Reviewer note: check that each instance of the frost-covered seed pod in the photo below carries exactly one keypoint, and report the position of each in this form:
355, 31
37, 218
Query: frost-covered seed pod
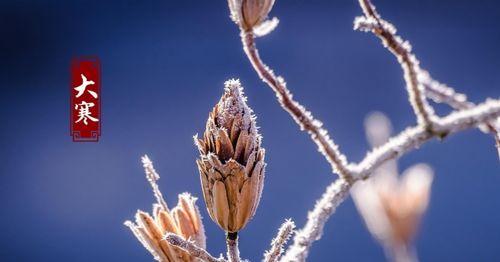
231, 162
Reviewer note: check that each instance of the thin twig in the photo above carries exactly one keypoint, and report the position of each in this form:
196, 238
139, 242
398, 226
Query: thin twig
414, 137
302, 117
284, 233
442, 93
191, 248
233, 252
417, 79
152, 177
402, 50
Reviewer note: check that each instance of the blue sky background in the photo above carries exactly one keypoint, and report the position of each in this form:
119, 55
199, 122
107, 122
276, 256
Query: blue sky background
163, 68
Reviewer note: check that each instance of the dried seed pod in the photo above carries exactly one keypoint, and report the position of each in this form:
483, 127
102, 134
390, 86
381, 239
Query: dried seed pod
231, 162
249, 14
183, 220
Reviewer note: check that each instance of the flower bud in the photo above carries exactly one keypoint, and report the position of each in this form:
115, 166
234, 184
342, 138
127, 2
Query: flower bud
249, 13
231, 162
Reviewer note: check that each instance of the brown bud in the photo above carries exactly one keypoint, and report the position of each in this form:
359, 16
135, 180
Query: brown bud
249, 13
231, 162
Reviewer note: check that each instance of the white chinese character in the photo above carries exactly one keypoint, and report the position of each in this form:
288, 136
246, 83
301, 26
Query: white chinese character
81, 88
84, 112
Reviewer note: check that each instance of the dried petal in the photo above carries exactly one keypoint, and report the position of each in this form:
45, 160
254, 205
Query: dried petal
220, 205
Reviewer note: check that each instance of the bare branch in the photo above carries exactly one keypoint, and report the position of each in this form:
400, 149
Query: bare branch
191, 248
302, 117
414, 137
406, 141
417, 79
442, 93
284, 233
373, 22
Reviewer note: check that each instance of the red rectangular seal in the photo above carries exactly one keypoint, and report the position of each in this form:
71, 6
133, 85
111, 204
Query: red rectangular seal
85, 99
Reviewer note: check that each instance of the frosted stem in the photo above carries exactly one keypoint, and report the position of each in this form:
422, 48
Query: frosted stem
414, 137
442, 93
302, 117
373, 22
152, 177
233, 252
191, 248
404, 142
285, 231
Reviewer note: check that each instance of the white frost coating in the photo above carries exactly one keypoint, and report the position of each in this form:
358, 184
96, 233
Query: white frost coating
266, 27
233, 104
191, 248
233, 252
365, 24
442, 93
335, 194
402, 49
152, 177
284, 233
302, 117
459, 120
413, 137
